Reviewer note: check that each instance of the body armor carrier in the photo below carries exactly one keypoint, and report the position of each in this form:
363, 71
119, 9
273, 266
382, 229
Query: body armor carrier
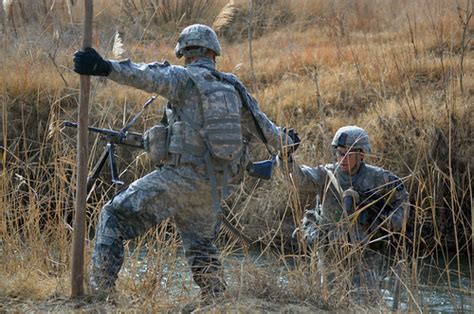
216, 140
220, 129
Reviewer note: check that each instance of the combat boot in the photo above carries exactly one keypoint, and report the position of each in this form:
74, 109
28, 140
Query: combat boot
101, 288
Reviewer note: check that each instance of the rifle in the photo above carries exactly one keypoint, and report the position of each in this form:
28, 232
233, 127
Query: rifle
115, 137
122, 137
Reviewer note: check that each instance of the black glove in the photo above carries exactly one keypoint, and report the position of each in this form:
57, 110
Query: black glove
290, 149
89, 62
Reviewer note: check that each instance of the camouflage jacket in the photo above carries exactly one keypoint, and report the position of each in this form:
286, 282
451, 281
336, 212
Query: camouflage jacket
174, 83
373, 184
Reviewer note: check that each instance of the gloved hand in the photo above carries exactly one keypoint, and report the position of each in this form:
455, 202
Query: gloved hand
89, 62
290, 149
313, 228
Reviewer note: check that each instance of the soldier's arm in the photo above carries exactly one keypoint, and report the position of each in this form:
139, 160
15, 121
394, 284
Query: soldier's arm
309, 181
160, 78
308, 184
398, 200
256, 124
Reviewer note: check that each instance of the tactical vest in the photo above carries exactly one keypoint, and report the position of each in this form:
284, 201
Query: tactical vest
220, 129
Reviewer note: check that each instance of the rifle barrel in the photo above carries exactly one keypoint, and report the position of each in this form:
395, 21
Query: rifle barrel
97, 130
122, 138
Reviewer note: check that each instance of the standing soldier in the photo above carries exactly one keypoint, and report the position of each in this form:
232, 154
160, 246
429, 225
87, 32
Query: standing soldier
352, 202
200, 145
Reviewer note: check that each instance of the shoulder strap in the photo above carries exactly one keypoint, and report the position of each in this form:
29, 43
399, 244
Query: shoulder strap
247, 101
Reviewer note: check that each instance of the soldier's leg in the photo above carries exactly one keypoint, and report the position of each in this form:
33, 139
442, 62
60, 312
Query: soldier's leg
372, 265
107, 257
129, 214
367, 278
206, 268
198, 230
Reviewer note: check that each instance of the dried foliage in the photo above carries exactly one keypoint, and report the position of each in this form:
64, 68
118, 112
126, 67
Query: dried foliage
167, 15
401, 69
225, 17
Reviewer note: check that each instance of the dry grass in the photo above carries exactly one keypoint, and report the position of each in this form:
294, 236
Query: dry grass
393, 68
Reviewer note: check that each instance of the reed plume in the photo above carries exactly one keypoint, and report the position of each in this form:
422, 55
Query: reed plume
6, 6
225, 17
117, 48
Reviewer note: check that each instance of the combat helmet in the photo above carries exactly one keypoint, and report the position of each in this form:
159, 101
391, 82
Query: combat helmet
197, 35
352, 137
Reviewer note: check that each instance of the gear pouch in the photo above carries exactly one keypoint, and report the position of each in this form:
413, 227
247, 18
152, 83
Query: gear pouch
156, 143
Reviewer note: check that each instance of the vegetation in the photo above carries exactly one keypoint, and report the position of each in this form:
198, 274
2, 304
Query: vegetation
401, 69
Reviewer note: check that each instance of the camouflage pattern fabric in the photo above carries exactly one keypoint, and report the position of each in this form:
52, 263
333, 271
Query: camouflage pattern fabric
352, 137
181, 192
344, 241
370, 180
221, 106
173, 83
356, 267
180, 188
197, 35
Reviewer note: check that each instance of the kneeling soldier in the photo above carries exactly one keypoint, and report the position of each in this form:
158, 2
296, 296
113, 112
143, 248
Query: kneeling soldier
351, 202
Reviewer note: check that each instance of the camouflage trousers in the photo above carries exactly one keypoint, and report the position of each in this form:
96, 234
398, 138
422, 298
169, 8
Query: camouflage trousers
180, 192
348, 260
351, 265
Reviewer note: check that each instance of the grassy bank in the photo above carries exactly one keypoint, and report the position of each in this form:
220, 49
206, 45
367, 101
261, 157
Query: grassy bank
403, 70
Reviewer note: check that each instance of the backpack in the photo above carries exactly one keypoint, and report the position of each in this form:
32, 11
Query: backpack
221, 110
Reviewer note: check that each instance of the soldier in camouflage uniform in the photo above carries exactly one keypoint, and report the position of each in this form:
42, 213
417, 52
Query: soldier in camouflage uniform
184, 186
350, 202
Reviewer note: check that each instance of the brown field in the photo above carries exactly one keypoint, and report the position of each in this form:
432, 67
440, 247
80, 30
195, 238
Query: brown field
403, 70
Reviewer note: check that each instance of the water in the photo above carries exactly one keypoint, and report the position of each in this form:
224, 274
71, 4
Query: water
435, 292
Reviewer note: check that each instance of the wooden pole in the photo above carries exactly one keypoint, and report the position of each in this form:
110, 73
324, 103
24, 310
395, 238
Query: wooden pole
77, 269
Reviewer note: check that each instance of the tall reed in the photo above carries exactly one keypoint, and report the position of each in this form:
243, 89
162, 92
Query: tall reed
400, 69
